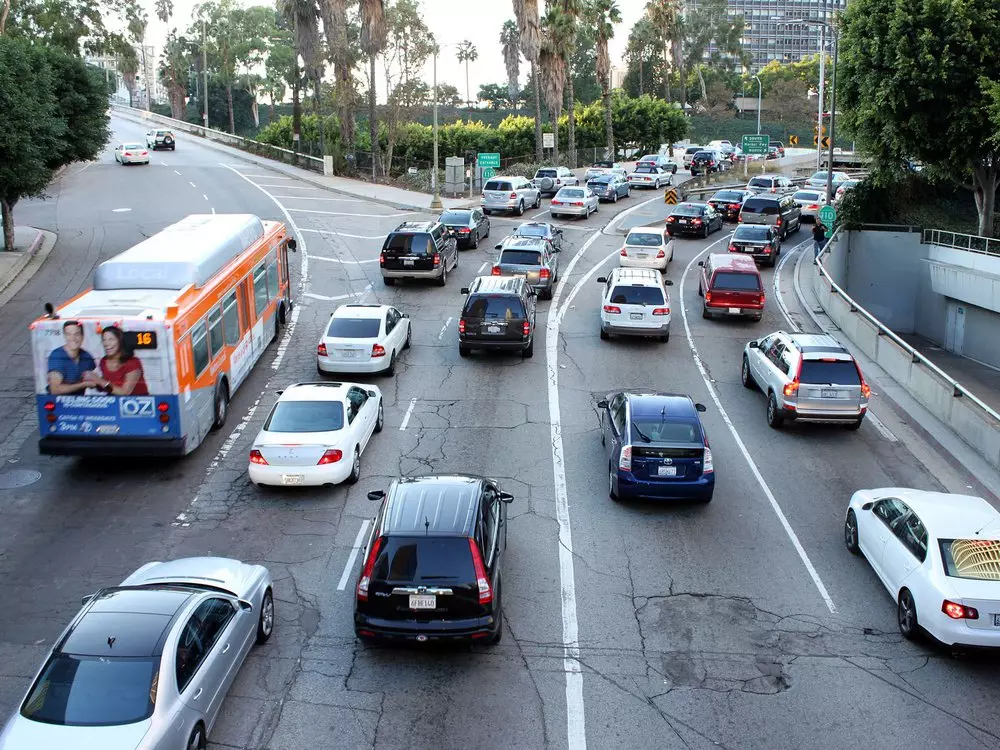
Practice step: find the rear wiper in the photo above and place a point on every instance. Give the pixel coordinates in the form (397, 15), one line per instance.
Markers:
(641, 434)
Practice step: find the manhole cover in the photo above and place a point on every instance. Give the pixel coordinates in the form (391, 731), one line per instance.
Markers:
(12, 480)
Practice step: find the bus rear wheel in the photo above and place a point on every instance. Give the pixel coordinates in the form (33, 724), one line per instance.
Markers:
(221, 406)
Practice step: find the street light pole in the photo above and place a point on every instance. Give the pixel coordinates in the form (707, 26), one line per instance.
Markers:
(204, 68)
(760, 90)
(822, 81)
(436, 199)
(833, 116)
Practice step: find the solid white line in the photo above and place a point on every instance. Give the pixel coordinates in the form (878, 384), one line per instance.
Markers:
(482, 267)
(268, 176)
(288, 187)
(339, 296)
(163, 163)
(739, 441)
(345, 234)
(540, 213)
(345, 262)
(444, 328)
(341, 213)
(879, 425)
(192, 184)
(777, 286)
(314, 198)
(618, 217)
(176, 172)
(204, 196)
(406, 417)
(354, 554)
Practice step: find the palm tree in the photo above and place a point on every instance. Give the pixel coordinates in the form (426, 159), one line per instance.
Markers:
(529, 27)
(666, 16)
(603, 15)
(467, 53)
(557, 30)
(571, 11)
(173, 71)
(334, 14)
(511, 59)
(373, 40)
(303, 17)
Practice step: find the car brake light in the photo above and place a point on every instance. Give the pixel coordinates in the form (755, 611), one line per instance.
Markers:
(381, 259)
(671, 219)
(733, 248)
(739, 219)
(464, 230)
(624, 252)
(482, 582)
(959, 611)
(128, 153)
(792, 388)
(513, 195)
(661, 311)
(366, 573)
(437, 259)
(812, 206)
(625, 459)
(612, 309)
(708, 297)
(495, 271)
(708, 467)
(734, 206)
(526, 328)
(321, 350)
(778, 224)
(661, 254)
(544, 274)
(461, 325)
(378, 350)
(257, 458)
(696, 221)
(576, 203)
(330, 457)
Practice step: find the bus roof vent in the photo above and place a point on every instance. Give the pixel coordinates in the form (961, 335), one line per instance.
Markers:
(191, 251)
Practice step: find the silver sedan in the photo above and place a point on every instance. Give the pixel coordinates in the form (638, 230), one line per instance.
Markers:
(147, 664)
(574, 201)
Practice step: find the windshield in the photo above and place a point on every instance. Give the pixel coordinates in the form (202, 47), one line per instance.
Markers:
(354, 328)
(424, 558)
(412, 244)
(456, 217)
(736, 282)
(761, 206)
(804, 196)
(829, 373)
(644, 239)
(495, 307)
(306, 416)
(521, 258)
(975, 559)
(532, 230)
(749, 233)
(94, 691)
(636, 295)
(821, 176)
(658, 429)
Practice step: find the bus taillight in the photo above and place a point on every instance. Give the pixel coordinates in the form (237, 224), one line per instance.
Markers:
(164, 408)
(50, 406)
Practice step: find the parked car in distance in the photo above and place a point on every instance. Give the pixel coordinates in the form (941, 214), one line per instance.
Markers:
(656, 447)
(534, 258)
(818, 179)
(549, 180)
(649, 176)
(157, 139)
(663, 161)
(498, 314)
(635, 302)
(574, 201)
(693, 219)
(806, 377)
(509, 194)
(731, 287)
(540, 229)
(470, 225)
(762, 243)
(779, 211)
(647, 247)
(770, 183)
(728, 203)
(604, 167)
(610, 187)
(131, 153)
(363, 338)
(418, 250)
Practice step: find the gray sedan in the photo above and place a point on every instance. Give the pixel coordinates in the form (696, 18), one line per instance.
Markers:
(534, 258)
(610, 187)
(147, 664)
(574, 201)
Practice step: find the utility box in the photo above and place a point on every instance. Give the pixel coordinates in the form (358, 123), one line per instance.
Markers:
(454, 175)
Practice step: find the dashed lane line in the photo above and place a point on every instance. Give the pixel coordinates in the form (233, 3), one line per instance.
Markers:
(444, 328)
(342, 213)
(345, 234)
(409, 413)
(358, 541)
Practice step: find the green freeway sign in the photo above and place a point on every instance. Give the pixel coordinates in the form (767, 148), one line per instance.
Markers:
(489, 160)
(828, 215)
(489, 173)
(756, 144)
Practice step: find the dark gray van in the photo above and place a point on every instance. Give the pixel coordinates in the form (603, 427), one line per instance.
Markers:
(780, 212)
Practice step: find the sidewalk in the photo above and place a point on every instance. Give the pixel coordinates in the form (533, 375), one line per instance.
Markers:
(27, 241)
(982, 381)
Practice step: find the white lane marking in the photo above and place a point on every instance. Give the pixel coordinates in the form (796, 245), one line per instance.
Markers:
(314, 198)
(803, 555)
(540, 213)
(444, 328)
(192, 184)
(777, 286)
(576, 726)
(229, 443)
(120, 210)
(176, 172)
(288, 187)
(354, 555)
(163, 163)
(213, 209)
(409, 412)
(345, 234)
(341, 213)
(266, 176)
(204, 196)
(362, 293)
(879, 425)
(482, 267)
(618, 217)
(345, 262)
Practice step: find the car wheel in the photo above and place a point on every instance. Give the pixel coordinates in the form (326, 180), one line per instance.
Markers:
(538, 201)
(529, 352)
(706, 232)
(197, 739)
(605, 335)
(387, 281)
(774, 418)
(906, 615)
(611, 484)
(665, 337)
(475, 241)
(520, 208)
(856, 424)
(409, 331)
(355, 474)
(444, 274)
(391, 369)
(615, 199)
(745, 375)
(851, 533)
(463, 350)
(265, 621)
(486, 236)
(380, 419)
(221, 406)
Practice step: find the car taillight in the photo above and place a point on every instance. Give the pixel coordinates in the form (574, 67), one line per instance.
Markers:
(812, 206)
(381, 259)
(613, 309)
(773, 190)
(321, 350)
(661, 254)
(330, 457)
(464, 230)
(733, 248)
(544, 274)
(624, 252)
(778, 223)
(513, 195)
(866, 390)
(696, 221)
(791, 388)
(671, 219)
(526, 328)
(661, 311)
(576, 203)
(708, 297)
(734, 206)
(437, 259)
(461, 325)
(739, 219)
(708, 467)
(145, 153)
(378, 350)
(257, 458)
(128, 153)
(482, 582)
(625, 459)
(495, 271)
(366, 573)
(959, 611)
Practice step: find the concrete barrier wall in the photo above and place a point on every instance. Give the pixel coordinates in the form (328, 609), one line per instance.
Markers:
(883, 271)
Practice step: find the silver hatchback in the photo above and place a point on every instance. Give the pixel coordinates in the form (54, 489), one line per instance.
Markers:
(532, 257)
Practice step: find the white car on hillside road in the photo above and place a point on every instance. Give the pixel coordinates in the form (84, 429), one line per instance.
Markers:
(647, 247)
(363, 338)
(131, 153)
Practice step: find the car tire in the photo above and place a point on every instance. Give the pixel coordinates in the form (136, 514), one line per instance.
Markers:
(475, 242)
(705, 499)
(387, 281)
(706, 232)
(665, 337)
(746, 377)
(615, 199)
(409, 332)
(265, 620)
(197, 740)
(529, 351)
(547, 293)
(380, 419)
(605, 336)
(488, 227)
(856, 424)
(851, 533)
(520, 208)
(611, 484)
(906, 615)
(221, 408)
(443, 279)
(355, 474)
(538, 202)
(774, 417)
(390, 370)
(704, 312)
(463, 350)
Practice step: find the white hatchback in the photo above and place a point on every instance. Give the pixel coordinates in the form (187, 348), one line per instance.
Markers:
(939, 557)
(647, 247)
(363, 338)
(635, 302)
(315, 434)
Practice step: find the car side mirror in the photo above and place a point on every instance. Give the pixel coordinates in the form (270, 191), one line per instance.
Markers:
(506, 497)
(701, 263)
(754, 345)
(868, 506)
(405, 315)
(602, 404)
(292, 244)
(465, 290)
(701, 407)
(376, 495)
(497, 247)
(667, 282)
(602, 279)
(245, 605)
(372, 394)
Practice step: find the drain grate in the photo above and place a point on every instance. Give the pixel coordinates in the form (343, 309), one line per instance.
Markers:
(17, 478)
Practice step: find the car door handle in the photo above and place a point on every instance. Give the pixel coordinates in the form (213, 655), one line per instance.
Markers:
(225, 648)
(197, 694)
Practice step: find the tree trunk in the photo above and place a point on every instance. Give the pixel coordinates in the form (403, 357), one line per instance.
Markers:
(296, 111)
(608, 125)
(255, 111)
(984, 181)
(270, 110)
(640, 76)
(666, 74)
(571, 117)
(539, 154)
(554, 121)
(468, 93)
(229, 104)
(7, 216)
(372, 121)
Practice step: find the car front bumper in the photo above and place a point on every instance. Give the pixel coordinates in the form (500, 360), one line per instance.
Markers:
(632, 487)
(301, 476)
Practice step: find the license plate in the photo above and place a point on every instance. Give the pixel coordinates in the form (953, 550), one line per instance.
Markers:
(996, 621)
(493, 329)
(684, 221)
(292, 478)
(107, 429)
(734, 311)
(408, 261)
(423, 601)
(641, 256)
(831, 394)
(635, 316)
(348, 353)
(666, 471)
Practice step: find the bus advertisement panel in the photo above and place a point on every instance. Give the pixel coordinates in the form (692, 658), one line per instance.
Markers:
(105, 378)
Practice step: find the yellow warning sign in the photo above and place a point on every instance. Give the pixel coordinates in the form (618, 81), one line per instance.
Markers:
(793, 140)
(670, 196)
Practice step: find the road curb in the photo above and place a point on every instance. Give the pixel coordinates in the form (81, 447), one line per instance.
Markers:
(23, 271)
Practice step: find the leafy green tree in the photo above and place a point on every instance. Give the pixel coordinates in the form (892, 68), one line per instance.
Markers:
(495, 94)
(74, 25)
(788, 101)
(82, 104)
(910, 83)
(643, 57)
(583, 65)
(467, 53)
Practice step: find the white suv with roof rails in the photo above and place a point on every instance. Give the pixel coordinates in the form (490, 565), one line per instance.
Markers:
(635, 302)
(806, 377)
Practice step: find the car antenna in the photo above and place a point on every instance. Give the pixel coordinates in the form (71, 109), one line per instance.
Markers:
(427, 526)
(987, 524)
(111, 641)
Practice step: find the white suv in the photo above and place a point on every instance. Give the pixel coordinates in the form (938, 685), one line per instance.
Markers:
(635, 302)
(509, 194)
(550, 180)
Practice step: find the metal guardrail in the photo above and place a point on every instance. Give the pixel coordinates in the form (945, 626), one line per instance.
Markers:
(259, 148)
(973, 243)
(737, 186)
(958, 390)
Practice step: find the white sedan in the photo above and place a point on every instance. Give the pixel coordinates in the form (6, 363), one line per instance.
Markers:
(939, 557)
(315, 434)
(647, 247)
(131, 153)
(574, 201)
(363, 338)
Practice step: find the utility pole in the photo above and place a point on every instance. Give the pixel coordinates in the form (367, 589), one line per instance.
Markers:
(833, 117)
(204, 67)
(822, 81)
(436, 199)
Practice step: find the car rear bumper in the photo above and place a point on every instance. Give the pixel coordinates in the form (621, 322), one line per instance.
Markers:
(328, 364)
(509, 205)
(406, 273)
(657, 264)
(134, 159)
(724, 311)
(110, 446)
(790, 412)
(439, 630)
(631, 487)
(625, 330)
(759, 257)
(643, 183)
(569, 210)
(685, 229)
(304, 476)
(497, 344)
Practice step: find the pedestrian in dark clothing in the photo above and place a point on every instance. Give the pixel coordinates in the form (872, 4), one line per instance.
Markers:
(819, 239)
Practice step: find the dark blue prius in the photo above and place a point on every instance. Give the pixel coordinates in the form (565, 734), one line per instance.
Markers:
(656, 447)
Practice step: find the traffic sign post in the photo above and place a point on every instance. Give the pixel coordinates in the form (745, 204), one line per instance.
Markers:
(488, 160)
(828, 215)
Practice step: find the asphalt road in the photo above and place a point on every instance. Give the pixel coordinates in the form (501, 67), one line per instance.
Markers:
(740, 624)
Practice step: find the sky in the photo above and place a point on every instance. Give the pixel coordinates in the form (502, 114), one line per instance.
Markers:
(451, 21)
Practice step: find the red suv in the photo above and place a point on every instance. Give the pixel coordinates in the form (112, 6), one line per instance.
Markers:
(731, 286)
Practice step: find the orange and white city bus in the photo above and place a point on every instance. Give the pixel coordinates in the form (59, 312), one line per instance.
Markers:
(146, 361)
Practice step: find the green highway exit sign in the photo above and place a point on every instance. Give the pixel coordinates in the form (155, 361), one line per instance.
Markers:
(756, 144)
(489, 160)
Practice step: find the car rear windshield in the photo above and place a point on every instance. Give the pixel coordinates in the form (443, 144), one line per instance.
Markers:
(532, 230)
(411, 244)
(128, 146)
(546, 173)
(819, 176)
(704, 155)
(570, 193)
(693, 149)
(975, 559)
(802, 195)
(521, 257)
(751, 233)
(94, 691)
(728, 195)
(649, 157)
(683, 210)
(495, 307)
(407, 559)
(736, 282)
(660, 430)
(354, 328)
(306, 416)
(761, 182)
(636, 295)
(497, 185)
(644, 239)
(455, 217)
(761, 206)
(646, 168)
(823, 373)
(601, 181)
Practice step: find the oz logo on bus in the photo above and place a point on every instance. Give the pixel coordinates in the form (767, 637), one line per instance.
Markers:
(137, 406)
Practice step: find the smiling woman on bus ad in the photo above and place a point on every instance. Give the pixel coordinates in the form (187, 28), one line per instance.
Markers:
(121, 371)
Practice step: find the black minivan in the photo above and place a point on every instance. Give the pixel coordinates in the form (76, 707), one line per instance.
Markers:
(431, 570)
(499, 313)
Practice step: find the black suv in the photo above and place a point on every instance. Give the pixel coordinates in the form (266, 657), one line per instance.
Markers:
(498, 314)
(431, 567)
(419, 250)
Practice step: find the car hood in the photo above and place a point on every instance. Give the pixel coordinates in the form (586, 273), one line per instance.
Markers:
(225, 573)
(24, 733)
